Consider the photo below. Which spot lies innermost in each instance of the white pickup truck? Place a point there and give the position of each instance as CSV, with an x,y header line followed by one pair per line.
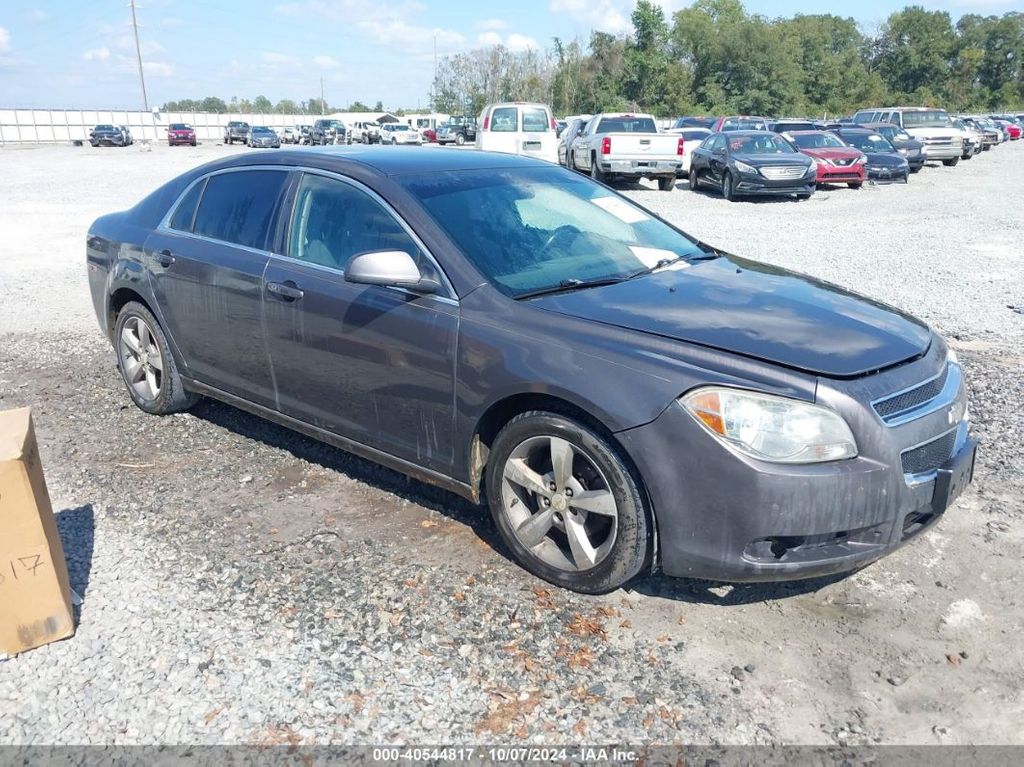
x,y
626,146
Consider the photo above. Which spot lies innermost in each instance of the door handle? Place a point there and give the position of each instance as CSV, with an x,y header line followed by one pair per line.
x,y
289,291
165,258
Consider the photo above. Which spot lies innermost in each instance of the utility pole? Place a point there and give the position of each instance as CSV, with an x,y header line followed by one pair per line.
x,y
138,55
322,105
433,85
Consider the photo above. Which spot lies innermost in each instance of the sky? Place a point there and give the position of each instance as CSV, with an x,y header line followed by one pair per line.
x,y
81,53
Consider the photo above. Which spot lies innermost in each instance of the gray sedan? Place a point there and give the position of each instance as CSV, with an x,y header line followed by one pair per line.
x,y
623,397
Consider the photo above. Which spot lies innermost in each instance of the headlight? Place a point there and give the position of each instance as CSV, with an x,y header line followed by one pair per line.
x,y
742,167
771,428
862,160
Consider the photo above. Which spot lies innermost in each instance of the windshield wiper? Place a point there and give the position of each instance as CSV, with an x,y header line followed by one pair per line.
x,y
669,261
569,285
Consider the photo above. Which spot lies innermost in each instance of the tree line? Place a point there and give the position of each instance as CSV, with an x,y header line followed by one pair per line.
x,y
713,57
263,105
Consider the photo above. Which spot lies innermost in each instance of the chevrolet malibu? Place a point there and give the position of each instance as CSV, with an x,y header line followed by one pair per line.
x,y
621,395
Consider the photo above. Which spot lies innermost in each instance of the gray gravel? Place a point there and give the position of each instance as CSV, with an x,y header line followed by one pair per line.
x,y
244,584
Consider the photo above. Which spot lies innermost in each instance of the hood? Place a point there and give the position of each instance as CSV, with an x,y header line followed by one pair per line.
x,y
758,311
923,133
833,153
885,159
760,160
907,143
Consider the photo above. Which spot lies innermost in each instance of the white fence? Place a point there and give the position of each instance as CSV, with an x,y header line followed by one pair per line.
x,y
51,126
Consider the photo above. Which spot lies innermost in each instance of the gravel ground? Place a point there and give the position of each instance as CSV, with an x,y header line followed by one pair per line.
x,y
241,583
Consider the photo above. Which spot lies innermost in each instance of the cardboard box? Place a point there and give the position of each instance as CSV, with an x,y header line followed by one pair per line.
x,y
35,598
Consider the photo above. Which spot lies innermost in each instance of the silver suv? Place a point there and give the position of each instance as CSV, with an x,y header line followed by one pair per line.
x,y
933,127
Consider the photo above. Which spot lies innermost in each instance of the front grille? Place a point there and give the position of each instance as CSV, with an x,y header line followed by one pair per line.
x,y
780,172
939,141
908,400
930,455
844,161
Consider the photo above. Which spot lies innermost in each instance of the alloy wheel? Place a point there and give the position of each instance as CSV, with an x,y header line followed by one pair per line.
x,y
559,504
141,359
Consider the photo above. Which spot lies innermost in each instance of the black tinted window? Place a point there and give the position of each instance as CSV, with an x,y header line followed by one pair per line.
x,y
186,210
238,207
334,221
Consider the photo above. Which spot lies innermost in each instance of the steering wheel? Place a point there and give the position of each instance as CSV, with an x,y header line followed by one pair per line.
x,y
561,232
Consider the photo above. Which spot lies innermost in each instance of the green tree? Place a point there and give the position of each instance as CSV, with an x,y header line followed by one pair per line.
x,y
915,50
287,107
262,105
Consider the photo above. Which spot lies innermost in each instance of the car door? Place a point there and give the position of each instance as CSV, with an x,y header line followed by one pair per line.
x,y
207,270
581,147
374,364
717,158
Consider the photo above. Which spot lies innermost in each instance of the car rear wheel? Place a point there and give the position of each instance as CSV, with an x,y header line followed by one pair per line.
x,y
566,504
667,183
727,189
595,169
146,363
951,162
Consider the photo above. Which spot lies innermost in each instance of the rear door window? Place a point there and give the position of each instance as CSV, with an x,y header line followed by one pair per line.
x,y
186,210
238,207
505,120
536,120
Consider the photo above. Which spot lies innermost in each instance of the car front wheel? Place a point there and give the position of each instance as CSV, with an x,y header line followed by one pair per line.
x,y
566,504
146,364
727,190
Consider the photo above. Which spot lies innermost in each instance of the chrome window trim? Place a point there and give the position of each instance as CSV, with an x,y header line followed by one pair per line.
x,y
165,227
948,395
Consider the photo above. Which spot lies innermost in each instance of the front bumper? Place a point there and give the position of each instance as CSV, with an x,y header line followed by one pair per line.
x,y
750,184
942,151
724,516
887,173
840,174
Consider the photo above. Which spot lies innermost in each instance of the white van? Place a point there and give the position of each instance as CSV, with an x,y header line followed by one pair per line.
x,y
518,128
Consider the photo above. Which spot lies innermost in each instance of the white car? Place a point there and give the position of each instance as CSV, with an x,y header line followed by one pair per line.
x,y
396,133
692,138
518,128
290,136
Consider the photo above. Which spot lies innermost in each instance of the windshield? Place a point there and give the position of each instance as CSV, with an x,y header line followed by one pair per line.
x,y
104,127
261,129
538,228
694,122
743,123
180,126
869,142
931,119
819,140
627,124
760,143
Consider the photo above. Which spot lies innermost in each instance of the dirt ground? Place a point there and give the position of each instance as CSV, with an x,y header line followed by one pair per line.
x,y
216,530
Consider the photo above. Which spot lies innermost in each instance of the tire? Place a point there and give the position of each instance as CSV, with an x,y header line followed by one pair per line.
x,y
727,191
459,139
856,185
694,180
171,143
595,170
225,141
917,169
804,196
951,162
667,183
617,544
156,390
192,143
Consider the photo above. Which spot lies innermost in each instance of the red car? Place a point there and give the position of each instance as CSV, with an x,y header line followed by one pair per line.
x,y
179,133
429,135
837,163
739,122
1012,129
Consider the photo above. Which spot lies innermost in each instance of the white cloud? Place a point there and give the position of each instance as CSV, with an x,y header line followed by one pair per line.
x,y
38,16
97,54
603,15
158,68
411,36
514,42
488,39
517,42
326,62
5,40
492,24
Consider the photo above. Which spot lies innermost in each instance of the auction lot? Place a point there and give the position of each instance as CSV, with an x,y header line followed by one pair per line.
x,y
241,583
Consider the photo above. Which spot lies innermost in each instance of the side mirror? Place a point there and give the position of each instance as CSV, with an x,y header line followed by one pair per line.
x,y
390,268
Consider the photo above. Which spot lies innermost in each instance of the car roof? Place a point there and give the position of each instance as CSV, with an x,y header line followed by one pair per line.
x,y
735,133
390,161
